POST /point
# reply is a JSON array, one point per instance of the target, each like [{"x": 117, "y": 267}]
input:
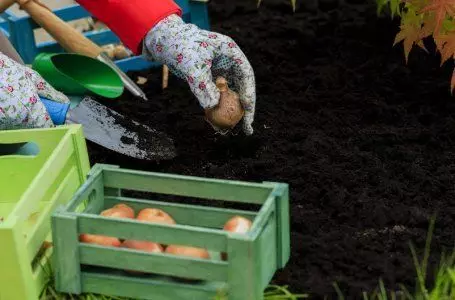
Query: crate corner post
[
  {"x": 243, "y": 270},
  {"x": 281, "y": 193},
  {"x": 15, "y": 265},
  {"x": 67, "y": 271},
  {"x": 48, "y": 180}
]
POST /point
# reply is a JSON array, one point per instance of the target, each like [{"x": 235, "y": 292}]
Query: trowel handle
[{"x": 69, "y": 38}]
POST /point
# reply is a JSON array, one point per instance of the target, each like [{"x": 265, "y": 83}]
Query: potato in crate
[
  {"x": 40, "y": 169},
  {"x": 124, "y": 245}
]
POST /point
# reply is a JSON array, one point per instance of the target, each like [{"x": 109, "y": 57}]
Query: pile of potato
[{"x": 153, "y": 215}]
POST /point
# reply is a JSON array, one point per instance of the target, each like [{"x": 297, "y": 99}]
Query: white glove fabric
[
  {"x": 20, "y": 91},
  {"x": 198, "y": 56}
]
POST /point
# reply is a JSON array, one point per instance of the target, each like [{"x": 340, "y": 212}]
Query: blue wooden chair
[{"x": 19, "y": 30}]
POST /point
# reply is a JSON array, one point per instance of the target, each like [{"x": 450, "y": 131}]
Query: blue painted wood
[
  {"x": 19, "y": 29},
  {"x": 184, "y": 5},
  {"x": 100, "y": 38},
  {"x": 23, "y": 39},
  {"x": 199, "y": 15},
  {"x": 69, "y": 13},
  {"x": 135, "y": 63}
]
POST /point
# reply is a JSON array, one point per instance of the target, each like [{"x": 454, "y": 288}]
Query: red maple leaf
[
  {"x": 441, "y": 8},
  {"x": 446, "y": 46},
  {"x": 429, "y": 24},
  {"x": 411, "y": 33}
]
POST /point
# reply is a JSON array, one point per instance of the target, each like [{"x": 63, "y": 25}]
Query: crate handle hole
[{"x": 22, "y": 149}]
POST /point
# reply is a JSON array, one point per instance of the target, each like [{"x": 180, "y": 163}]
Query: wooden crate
[
  {"x": 252, "y": 258},
  {"x": 19, "y": 30},
  {"x": 40, "y": 169}
]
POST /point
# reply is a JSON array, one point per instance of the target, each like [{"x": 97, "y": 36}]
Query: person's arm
[
  {"x": 7, "y": 48},
  {"x": 131, "y": 20},
  {"x": 199, "y": 57},
  {"x": 156, "y": 30},
  {"x": 20, "y": 91}
]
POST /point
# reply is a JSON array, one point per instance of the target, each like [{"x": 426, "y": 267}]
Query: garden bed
[{"x": 366, "y": 143}]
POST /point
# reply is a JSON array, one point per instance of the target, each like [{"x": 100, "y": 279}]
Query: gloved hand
[
  {"x": 199, "y": 56},
  {"x": 20, "y": 92}
]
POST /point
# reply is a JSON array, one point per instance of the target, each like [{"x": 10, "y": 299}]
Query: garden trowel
[
  {"x": 102, "y": 125},
  {"x": 110, "y": 129},
  {"x": 69, "y": 38}
]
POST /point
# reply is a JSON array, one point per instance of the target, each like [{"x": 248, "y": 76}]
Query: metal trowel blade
[{"x": 114, "y": 131}]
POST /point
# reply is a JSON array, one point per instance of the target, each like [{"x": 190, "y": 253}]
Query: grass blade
[{"x": 338, "y": 290}]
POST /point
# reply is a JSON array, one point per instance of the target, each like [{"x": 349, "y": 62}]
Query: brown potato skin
[
  {"x": 229, "y": 110},
  {"x": 236, "y": 224}
]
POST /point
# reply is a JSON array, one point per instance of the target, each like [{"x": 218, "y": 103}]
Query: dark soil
[{"x": 366, "y": 143}]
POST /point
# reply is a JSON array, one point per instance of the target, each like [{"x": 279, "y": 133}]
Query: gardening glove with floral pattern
[
  {"x": 198, "y": 56},
  {"x": 20, "y": 92}
]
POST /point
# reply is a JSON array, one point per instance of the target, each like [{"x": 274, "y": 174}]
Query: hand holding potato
[{"x": 198, "y": 56}]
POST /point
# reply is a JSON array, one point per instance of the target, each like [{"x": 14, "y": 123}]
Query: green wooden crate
[
  {"x": 252, "y": 258},
  {"x": 39, "y": 169}
]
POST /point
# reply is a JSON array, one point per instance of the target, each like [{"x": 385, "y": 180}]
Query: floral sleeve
[{"x": 20, "y": 89}]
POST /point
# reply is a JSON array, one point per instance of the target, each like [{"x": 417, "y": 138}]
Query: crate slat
[
  {"x": 66, "y": 253},
  {"x": 263, "y": 216},
  {"x": 268, "y": 254},
  {"x": 187, "y": 186},
  {"x": 130, "y": 229},
  {"x": 135, "y": 63},
  {"x": 31, "y": 198},
  {"x": 15, "y": 264},
  {"x": 141, "y": 288},
  {"x": 252, "y": 258},
  {"x": 163, "y": 264},
  {"x": 87, "y": 189},
  {"x": 98, "y": 37},
  {"x": 192, "y": 215},
  {"x": 283, "y": 223},
  {"x": 244, "y": 272},
  {"x": 39, "y": 185},
  {"x": 68, "y": 13},
  {"x": 42, "y": 227}
]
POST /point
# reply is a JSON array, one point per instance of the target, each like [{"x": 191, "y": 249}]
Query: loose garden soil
[{"x": 366, "y": 142}]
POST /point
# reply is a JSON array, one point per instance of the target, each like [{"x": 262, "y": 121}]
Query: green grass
[
  {"x": 273, "y": 292},
  {"x": 442, "y": 287}
]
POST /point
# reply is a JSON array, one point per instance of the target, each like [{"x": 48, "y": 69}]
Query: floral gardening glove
[
  {"x": 199, "y": 56},
  {"x": 20, "y": 92}
]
